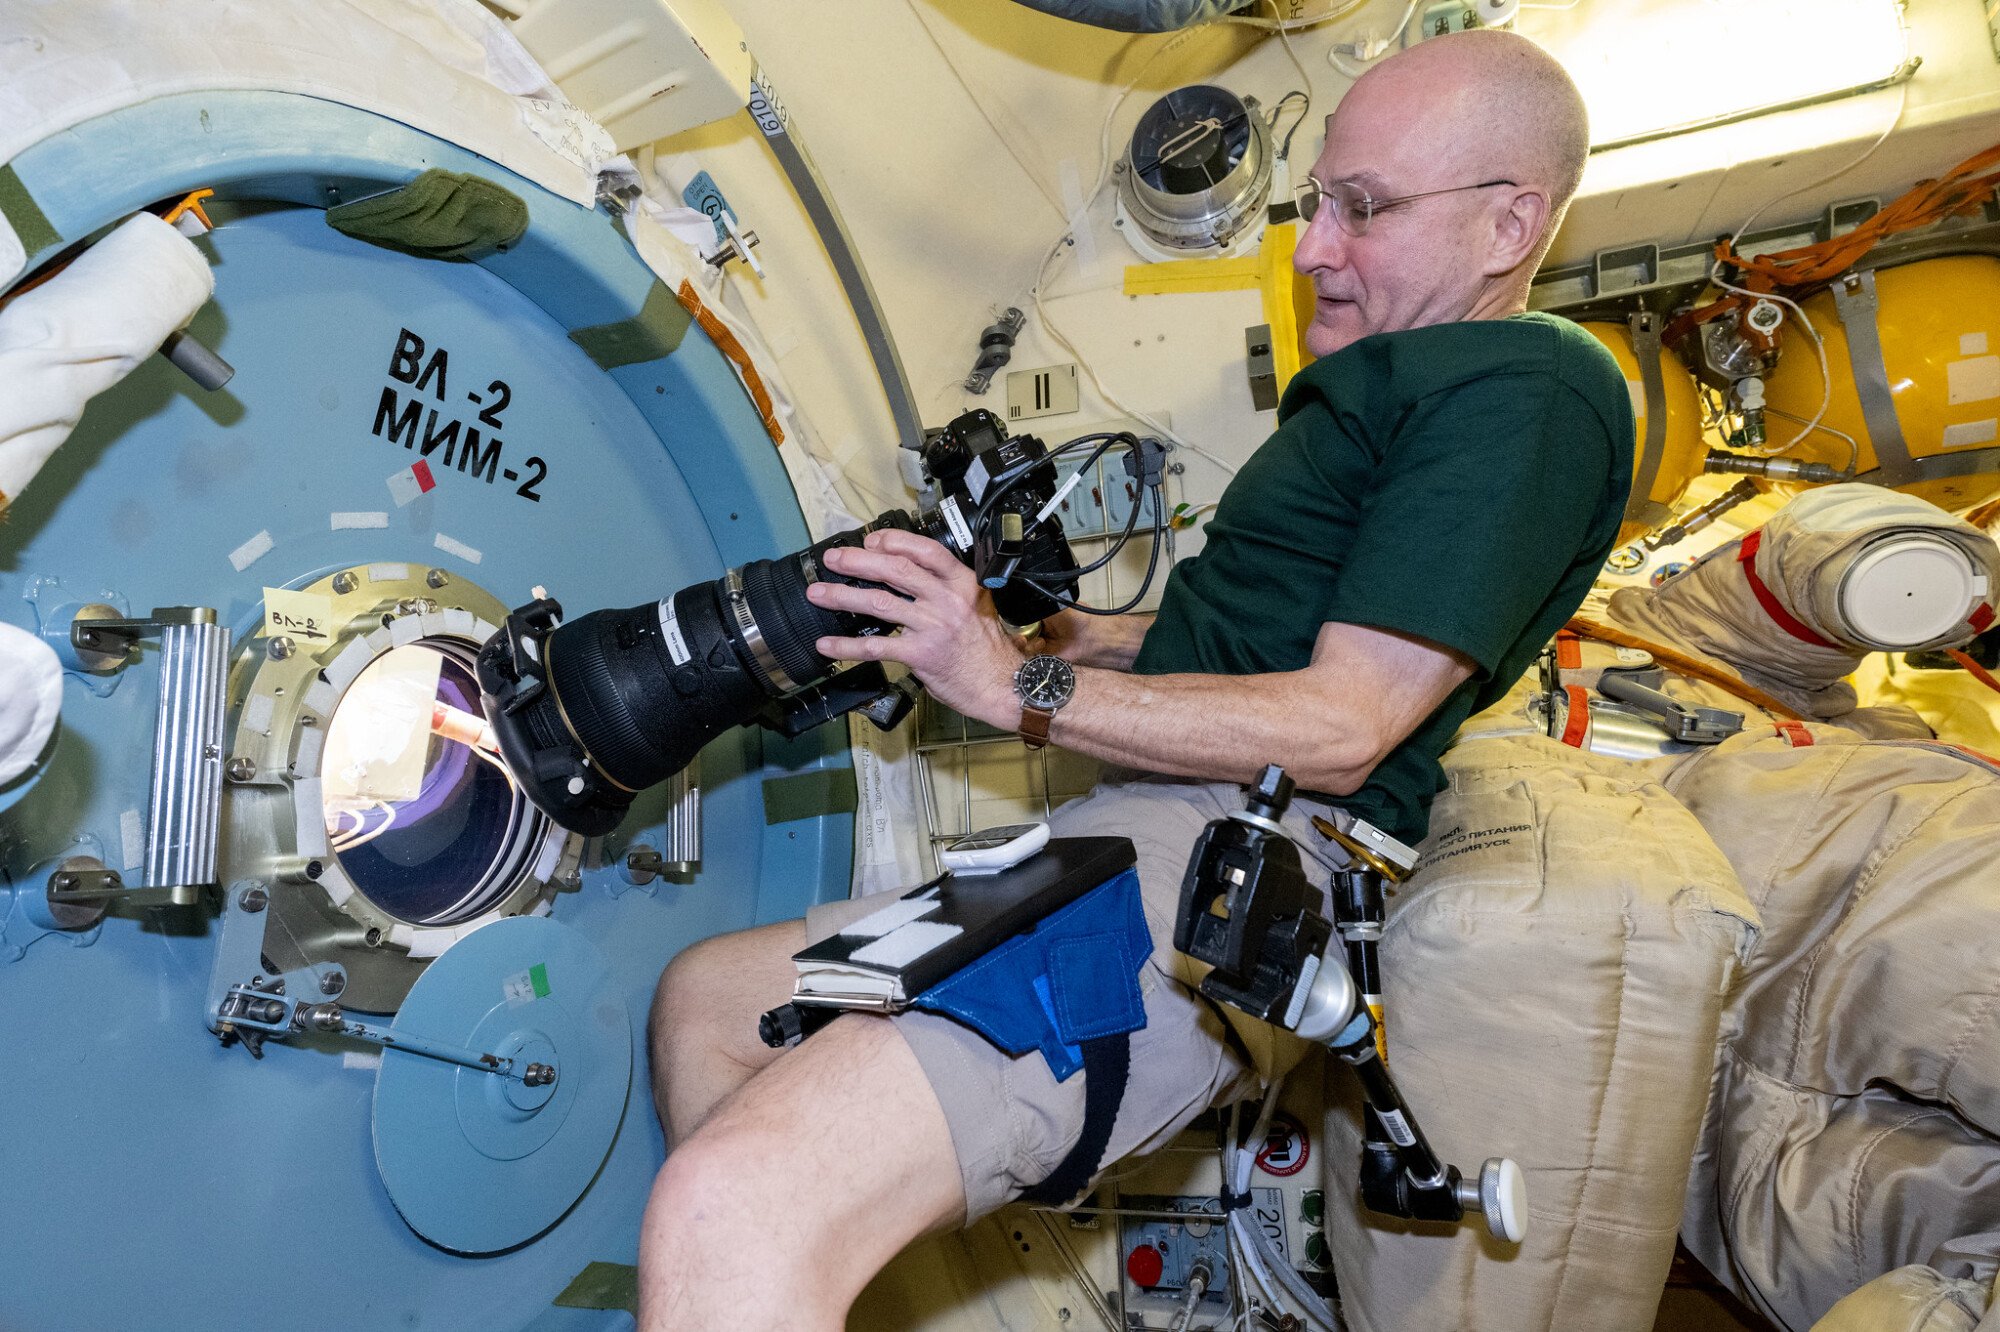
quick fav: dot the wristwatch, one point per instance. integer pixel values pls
(1044, 683)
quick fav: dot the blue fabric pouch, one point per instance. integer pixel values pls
(1073, 978)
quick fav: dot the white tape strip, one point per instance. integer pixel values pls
(458, 548)
(251, 551)
(319, 696)
(903, 946)
(897, 914)
(257, 710)
(353, 659)
(132, 839)
(458, 621)
(311, 815)
(405, 630)
(388, 573)
(552, 849)
(1971, 432)
(364, 1059)
(311, 740)
(344, 521)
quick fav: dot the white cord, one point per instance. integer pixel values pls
(1819, 349)
(1902, 104)
(1334, 57)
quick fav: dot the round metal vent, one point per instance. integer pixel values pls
(1196, 174)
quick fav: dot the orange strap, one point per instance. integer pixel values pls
(1681, 663)
(1569, 651)
(1809, 268)
(746, 369)
(1579, 716)
(1974, 669)
(1795, 734)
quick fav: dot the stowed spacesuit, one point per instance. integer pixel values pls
(1606, 913)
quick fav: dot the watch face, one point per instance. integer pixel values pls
(1046, 682)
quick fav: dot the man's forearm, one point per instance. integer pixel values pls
(1219, 727)
(1107, 641)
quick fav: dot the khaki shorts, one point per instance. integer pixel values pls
(1011, 1121)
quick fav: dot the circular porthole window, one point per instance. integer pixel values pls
(420, 812)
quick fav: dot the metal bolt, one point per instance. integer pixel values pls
(332, 983)
(279, 648)
(538, 1075)
(64, 882)
(345, 582)
(373, 938)
(242, 769)
(253, 901)
(1177, 468)
(436, 578)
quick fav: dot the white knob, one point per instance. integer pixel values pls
(1503, 1197)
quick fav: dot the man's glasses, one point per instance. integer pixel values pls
(1353, 209)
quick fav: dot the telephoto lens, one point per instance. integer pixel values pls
(591, 711)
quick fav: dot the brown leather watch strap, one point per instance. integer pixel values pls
(1034, 729)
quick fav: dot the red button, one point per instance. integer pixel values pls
(1144, 1265)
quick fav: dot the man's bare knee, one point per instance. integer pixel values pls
(702, 1034)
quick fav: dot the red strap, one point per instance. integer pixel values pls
(1795, 734)
(1982, 615)
(1569, 651)
(1579, 716)
(1746, 555)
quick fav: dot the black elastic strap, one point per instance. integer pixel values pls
(1107, 1063)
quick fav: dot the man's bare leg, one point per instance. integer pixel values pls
(703, 1032)
(798, 1189)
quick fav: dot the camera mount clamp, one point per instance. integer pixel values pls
(1248, 911)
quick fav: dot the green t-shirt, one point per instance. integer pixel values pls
(1462, 483)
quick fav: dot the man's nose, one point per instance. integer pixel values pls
(1323, 244)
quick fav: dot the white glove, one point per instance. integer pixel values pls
(84, 330)
(30, 697)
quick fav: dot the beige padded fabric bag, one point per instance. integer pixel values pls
(1554, 980)
(1856, 1124)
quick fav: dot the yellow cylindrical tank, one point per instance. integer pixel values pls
(1681, 448)
(1938, 321)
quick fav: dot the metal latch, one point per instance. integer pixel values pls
(1697, 726)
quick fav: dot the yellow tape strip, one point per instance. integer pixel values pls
(1194, 275)
(1288, 301)
(1287, 297)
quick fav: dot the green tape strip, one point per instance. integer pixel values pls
(538, 975)
(807, 795)
(603, 1286)
(651, 334)
(25, 215)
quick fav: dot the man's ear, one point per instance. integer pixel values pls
(1517, 230)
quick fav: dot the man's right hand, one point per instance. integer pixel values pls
(1107, 641)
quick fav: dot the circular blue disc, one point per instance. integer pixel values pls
(478, 1162)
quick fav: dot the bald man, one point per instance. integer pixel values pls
(1443, 485)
